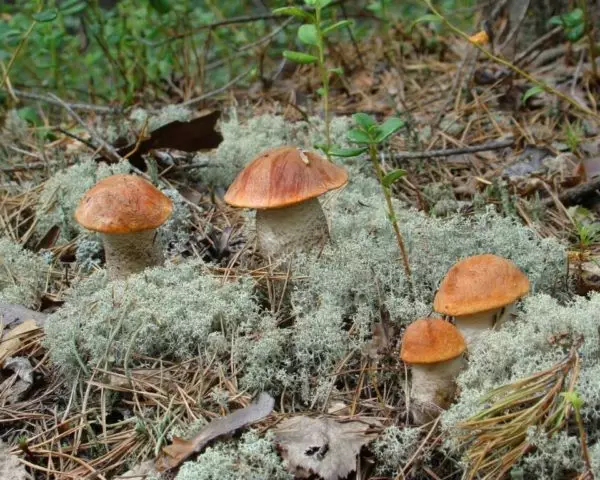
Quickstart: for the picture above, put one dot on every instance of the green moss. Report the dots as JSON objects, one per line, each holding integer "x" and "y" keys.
{"x": 22, "y": 275}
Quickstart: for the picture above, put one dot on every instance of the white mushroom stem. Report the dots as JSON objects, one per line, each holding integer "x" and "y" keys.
{"x": 474, "y": 326}
{"x": 433, "y": 388}
{"x": 128, "y": 253}
{"x": 291, "y": 229}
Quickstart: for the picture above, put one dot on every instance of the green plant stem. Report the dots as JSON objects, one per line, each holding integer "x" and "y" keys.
{"x": 390, "y": 206}
{"x": 324, "y": 78}
{"x": 509, "y": 65}
{"x": 590, "y": 37}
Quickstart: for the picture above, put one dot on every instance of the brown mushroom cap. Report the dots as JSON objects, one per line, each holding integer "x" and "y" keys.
{"x": 123, "y": 204}
{"x": 284, "y": 176}
{"x": 480, "y": 283}
{"x": 431, "y": 340}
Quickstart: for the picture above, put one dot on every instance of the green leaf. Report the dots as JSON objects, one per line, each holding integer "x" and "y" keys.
{"x": 530, "y": 93}
{"x": 364, "y": 121}
{"x": 321, "y": 91}
{"x": 308, "y": 35}
{"x": 30, "y": 115}
{"x": 359, "y": 136}
{"x": 388, "y": 128}
{"x": 336, "y": 26}
{"x": 347, "y": 152}
{"x": 70, "y": 7}
{"x": 573, "y": 18}
{"x": 575, "y": 33}
{"x": 428, "y": 18}
{"x": 161, "y": 6}
{"x": 294, "y": 12}
{"x": 337, "y": 70}
{"x": 392, "y": 177}
{"x": 574, "y": 399}
{"x": 299, "y": 57}
{"x": 45, "y": 15}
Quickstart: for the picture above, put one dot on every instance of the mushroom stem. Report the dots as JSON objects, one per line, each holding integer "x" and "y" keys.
{"x": 128, "y": 253}
{"x": 473, "y": 326}
{"x": 288, "y": 229}
{"x": 433, "y": 388}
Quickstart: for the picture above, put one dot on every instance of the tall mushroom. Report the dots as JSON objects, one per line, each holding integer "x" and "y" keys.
{"x": 283, "y": 184}
{"x": 126, "y": 210}
{"x": 434, "y": 350}
{"x": 480, "y": 292}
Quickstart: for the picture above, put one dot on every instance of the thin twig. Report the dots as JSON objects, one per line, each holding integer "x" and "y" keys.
{"x": 74, "y": 106}
{"x": 204, "y": 96}
{"x": 455, "y": 151}
{"x": 108, "y": 149}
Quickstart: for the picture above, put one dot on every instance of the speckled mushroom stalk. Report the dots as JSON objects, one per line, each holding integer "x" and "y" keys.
{"x": 129, "y": 253}
{"x": 481, "y": 293}
{"x": 126, "y": 211}
{"x": 295, "y": 228}
{"x": 434, "y": 350}
{"x": 283, "y": 184}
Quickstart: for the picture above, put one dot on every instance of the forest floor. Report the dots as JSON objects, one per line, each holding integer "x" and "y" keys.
{"x": 476, "y": 132}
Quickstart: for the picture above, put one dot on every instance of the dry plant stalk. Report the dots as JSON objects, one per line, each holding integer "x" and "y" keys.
{"x": 497, "y": 437}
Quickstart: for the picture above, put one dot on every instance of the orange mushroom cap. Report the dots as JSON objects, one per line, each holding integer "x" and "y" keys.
{"x": 284, "y": 176}
{"x": 123, "y": 204}
{"x": 480, "y": 283}
{"x": 431, "y": 340}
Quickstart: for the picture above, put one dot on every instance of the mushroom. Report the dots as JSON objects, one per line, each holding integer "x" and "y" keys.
{"x": 283, "y": 184}
{"x": 126, "y": 210}
{"x": 434, "y": 350}
{"x": 480, "y": 292}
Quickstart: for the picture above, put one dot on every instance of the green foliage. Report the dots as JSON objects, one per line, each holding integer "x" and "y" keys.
{"x": 540, "y": 337}
{"x": 251, "y": 458}
{"x": 23, "y": 275}
{"x": 573, "y": 24}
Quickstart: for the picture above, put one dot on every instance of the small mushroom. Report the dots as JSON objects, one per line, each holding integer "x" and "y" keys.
{"x": 480, "y": 292}
{"x": 126, "y": 210}
{"x": 283, "y": 184}
{"x": 434, "y": 350}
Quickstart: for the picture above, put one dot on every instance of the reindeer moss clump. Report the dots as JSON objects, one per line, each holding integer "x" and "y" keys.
{"x": 176, "y": 312}
{"x": 22, "y": 275}
{"x": 62, "y": 193}
{"x": 242, "y": 142}
{"x": 250, "y": 458}
{"x": 541, "y": 337}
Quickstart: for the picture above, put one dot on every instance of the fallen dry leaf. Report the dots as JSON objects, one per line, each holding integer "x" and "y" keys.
{"x": 322, "y": 446}
{"x": 13, "y": 314}
{"x": 10, "y": 467}
{"x": 197, "y": 134}
{"x": 143, "y": 471}
{"x": 12, "y": 340}
{"x": 15, "y": 387}
{"x": 176, "y": 453}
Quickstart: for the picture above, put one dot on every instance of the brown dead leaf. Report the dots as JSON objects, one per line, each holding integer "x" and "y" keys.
{"x": 197, "y": 134}
{"x": 12, "y": 340}
{"x": 10, "y": 467}
{"x": 15, "y": 387}
{"x": 322, "y": 446}
{"x": 143, "y": 471}
{"x": 180, "y": 450}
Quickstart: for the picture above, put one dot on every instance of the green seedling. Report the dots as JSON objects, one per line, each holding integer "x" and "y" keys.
{"x": 368, "y": 134}
{"x": 313, "y": 33}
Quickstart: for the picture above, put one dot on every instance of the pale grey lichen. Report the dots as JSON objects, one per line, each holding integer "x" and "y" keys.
{"x": 88, "y": 251}
{"x": 175, "y": 232}
{"x": 171, "y": 312}
{"x": 541, "y": 337}
{"x": 22, "y": 274}
{"x": 250, "y": 458}
{"x": 242, "y": 142}
{"x": 62, "y": 192}
{"x": 164, "y": 116}
{"x": 394, "y": 447}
